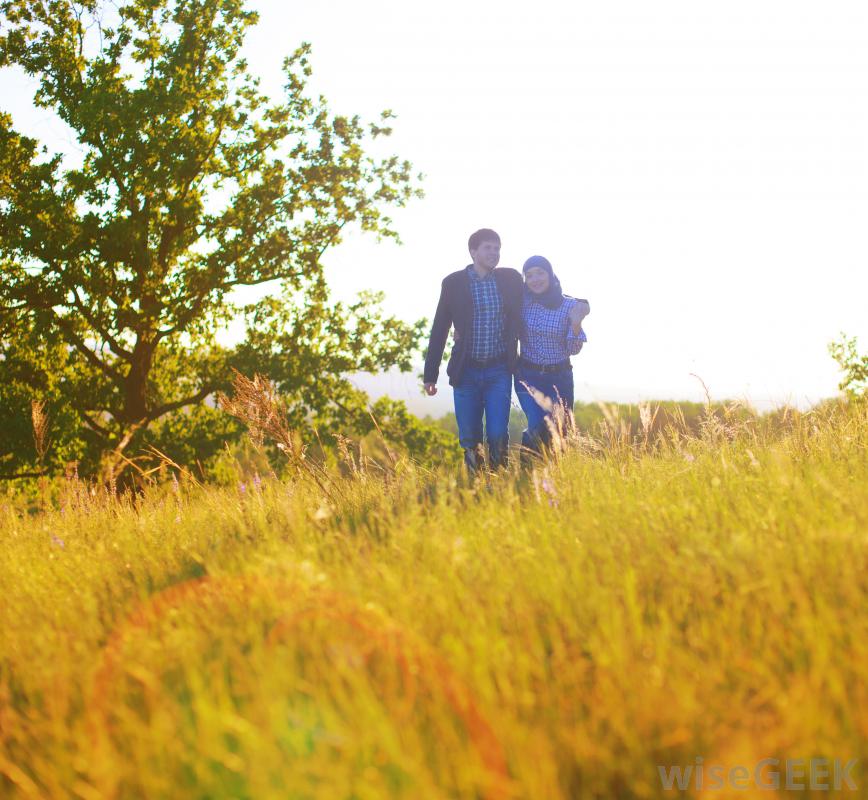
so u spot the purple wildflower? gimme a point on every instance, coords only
(549, 488)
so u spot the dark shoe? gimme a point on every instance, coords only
(474, 460)
(498, 454)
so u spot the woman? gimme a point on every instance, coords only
(552, 332)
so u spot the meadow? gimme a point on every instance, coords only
(388, 631)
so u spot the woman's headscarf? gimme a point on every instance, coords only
(551, 297)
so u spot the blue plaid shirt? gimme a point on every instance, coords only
(488, 317)
(548, 336)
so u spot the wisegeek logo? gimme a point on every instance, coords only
(791, 774)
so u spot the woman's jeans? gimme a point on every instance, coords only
(557, 386)
(484, 391)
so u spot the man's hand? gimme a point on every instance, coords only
(430, 389)
(576, 314)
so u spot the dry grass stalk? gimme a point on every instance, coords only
(713, 428)
(258, 405)
(165, 462)
(647, 418)
(40, 428)
(344, 444)
(617, 433)
(389, 452)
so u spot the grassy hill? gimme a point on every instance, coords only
(642, 599)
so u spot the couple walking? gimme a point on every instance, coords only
(493, 310)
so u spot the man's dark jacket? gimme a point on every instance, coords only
(456, 308)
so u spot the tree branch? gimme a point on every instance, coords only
(12, 476)
(192, 310)
(184, 319)
(187, 401)
(82, 347)
(128, 437)
(117, 349)
(94, 425)
(100, 145)
(263, 279)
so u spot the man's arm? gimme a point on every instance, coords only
(437, 341)
(580, 309)
(575, 335)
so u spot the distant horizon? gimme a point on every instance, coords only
(407, 387)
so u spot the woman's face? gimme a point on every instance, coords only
(537, 280)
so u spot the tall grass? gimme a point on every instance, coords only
(633, 601)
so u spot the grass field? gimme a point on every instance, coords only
(559, 634)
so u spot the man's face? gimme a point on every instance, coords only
(537, 279)
(487, 255)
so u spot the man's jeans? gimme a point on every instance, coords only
(487, 390)
(554, 385)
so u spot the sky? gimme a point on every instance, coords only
(698, 171)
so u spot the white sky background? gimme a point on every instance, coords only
(697, 170)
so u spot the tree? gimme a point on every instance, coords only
(424, 441)
(192, 183)
(852, 364)
(33, 369)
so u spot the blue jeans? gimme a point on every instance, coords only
(557, 386)
(484, 391)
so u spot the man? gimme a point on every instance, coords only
(484, 305)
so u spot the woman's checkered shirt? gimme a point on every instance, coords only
(548, 336)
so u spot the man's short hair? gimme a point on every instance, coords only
(480, 236)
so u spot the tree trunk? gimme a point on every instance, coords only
(114, 463)
(136, 383)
